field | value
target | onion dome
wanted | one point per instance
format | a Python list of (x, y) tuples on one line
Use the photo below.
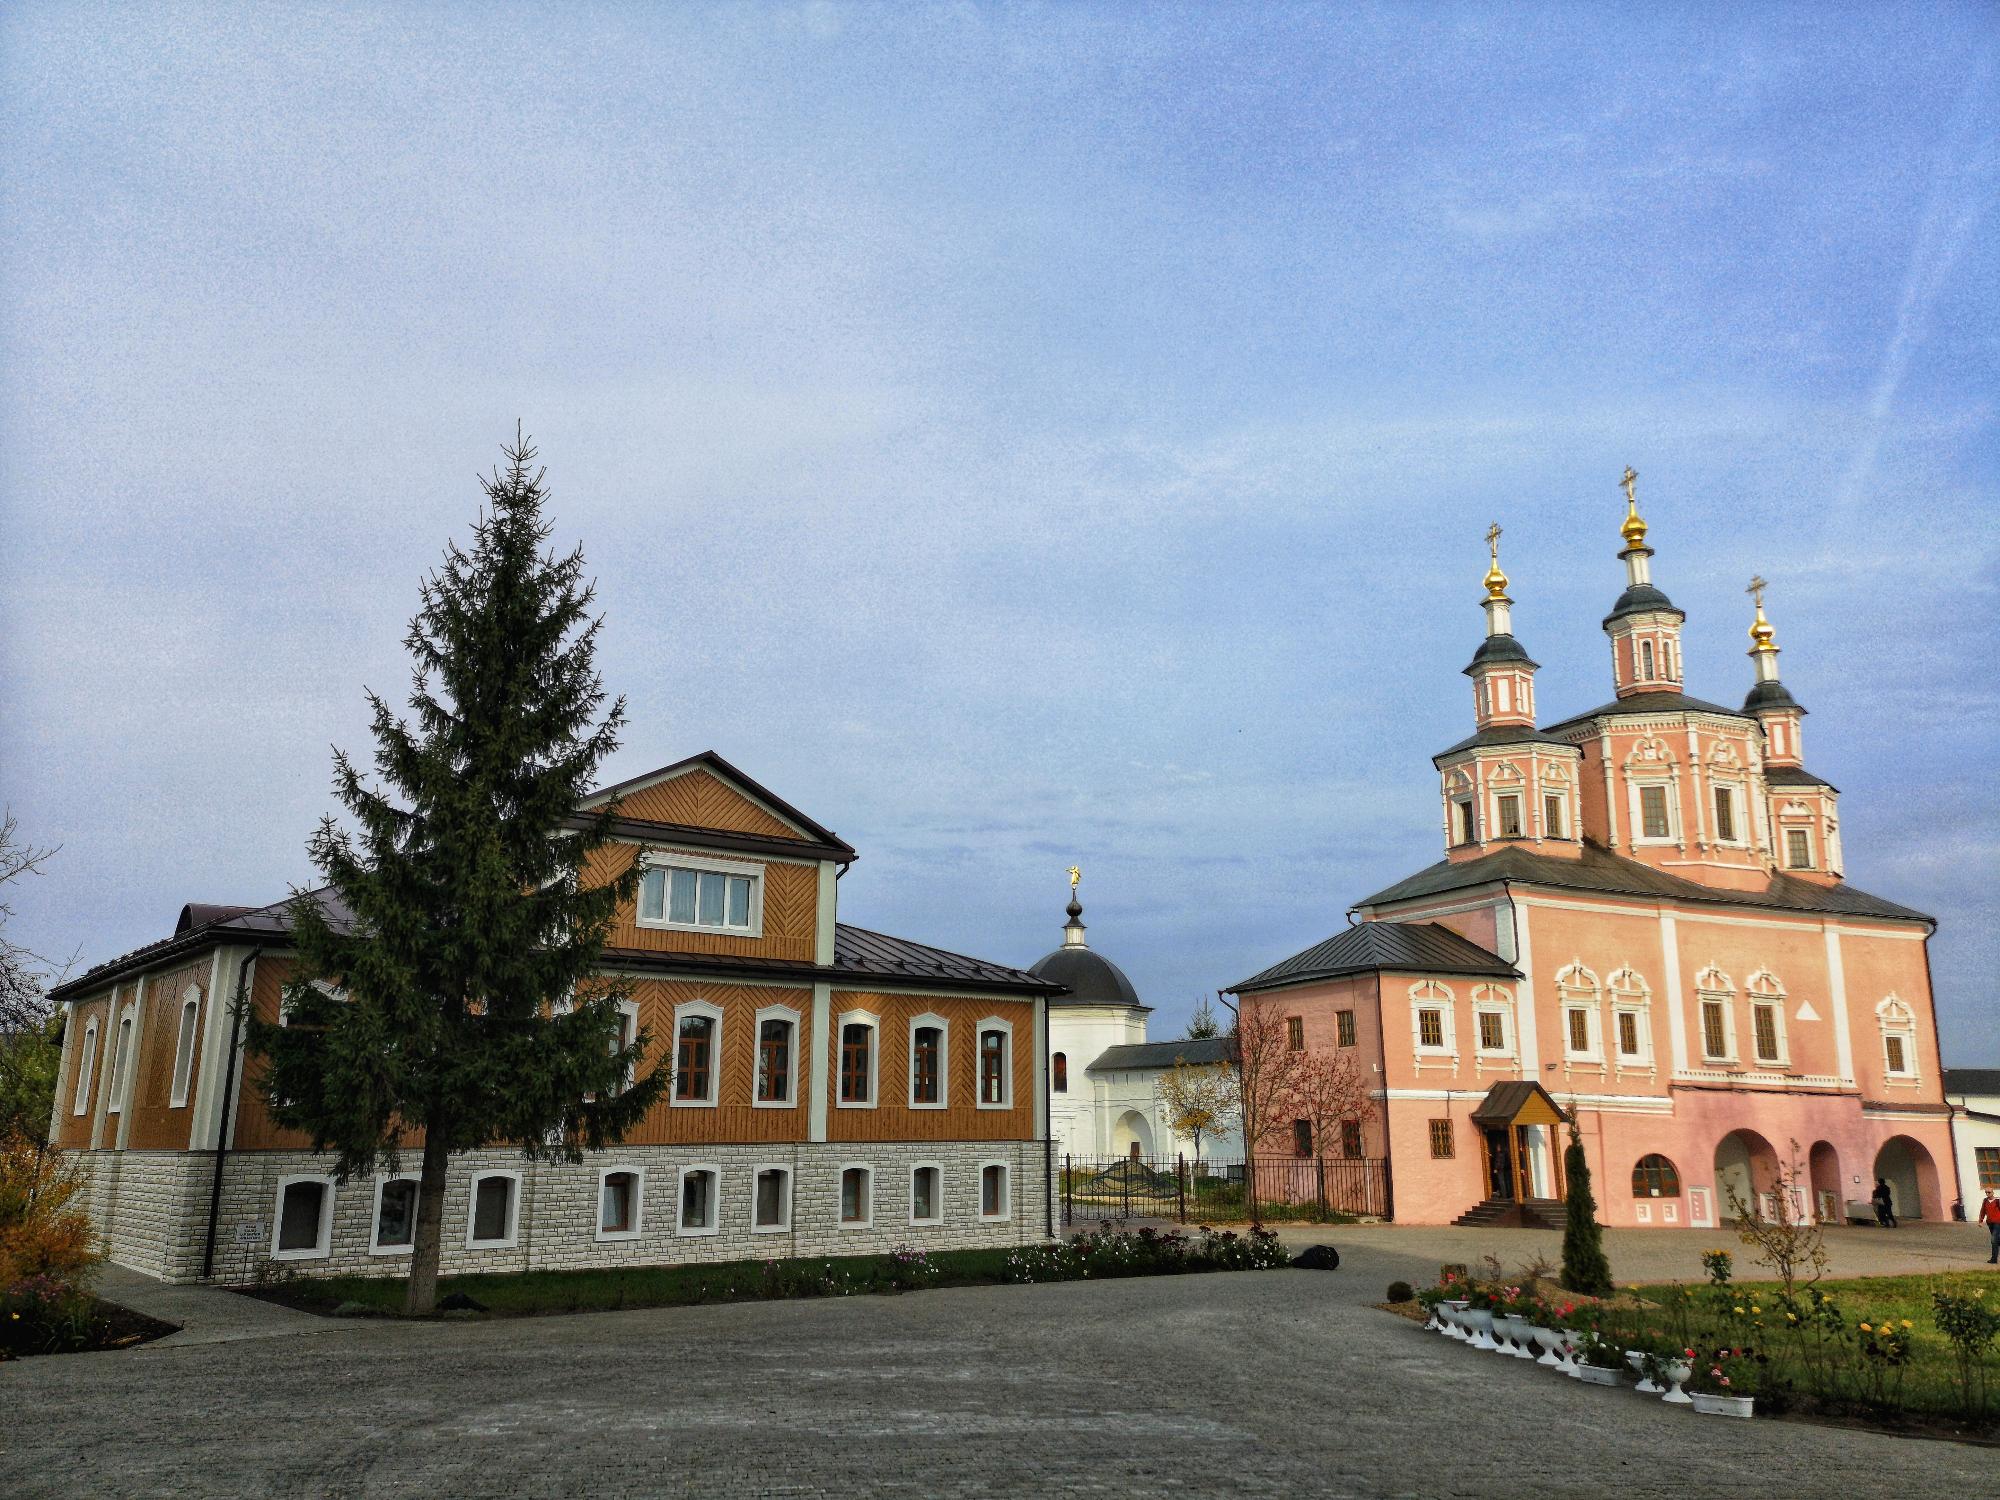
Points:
[(1091, 978)]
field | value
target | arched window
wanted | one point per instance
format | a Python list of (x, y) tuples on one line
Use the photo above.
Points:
[(1655, 1177), (1577, 989), (1059, 1069), (1646, 659), (1899, 1039)]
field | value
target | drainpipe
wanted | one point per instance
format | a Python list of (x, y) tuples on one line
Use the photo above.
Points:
[(236, 1010), (1048, 1132)]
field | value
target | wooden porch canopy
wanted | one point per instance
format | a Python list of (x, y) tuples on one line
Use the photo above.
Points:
[(1503, 1119), (1519, 1102)]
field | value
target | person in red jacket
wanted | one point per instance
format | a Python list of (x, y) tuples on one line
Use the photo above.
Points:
[(1989, 1215)]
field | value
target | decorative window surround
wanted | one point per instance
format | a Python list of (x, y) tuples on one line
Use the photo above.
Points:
[(627, 1033), (983, 1060), (635, 1215), (322, 1244), (996, 1192), (1898, 1024), (1430, 997), (376, 1244), (1578, 994), (1767, 996), (1491, 1003), (857, 1089), (704, 1090), (1715, 994), (86, 1067), (654, 903), (118, 1082), (698, 1202), (508, 1240), (936, 1186), (856, 1204), (1631, 997), (930, 1020), (186, 1035), (778, 1198), (783, 1014)]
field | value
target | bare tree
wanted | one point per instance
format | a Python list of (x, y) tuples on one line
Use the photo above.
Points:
[(1268, 1068), (25, 976), (1327, 1091), (1790, 1242), (1200, 1099)]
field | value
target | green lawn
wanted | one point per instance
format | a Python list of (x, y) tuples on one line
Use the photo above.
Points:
[(1832, 1368)]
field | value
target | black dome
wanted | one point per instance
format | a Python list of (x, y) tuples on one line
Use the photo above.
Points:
[(1092, 978), (1497, 648), (1770, 694), (1641, 599)]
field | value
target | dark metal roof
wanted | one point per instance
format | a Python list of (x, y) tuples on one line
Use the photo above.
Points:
[(1768, 695), (858, 955), (1500, 648), (1090, 978), (198, 914), (1504, 1101), (1795, 776), (1601, 870), (1213, 1049), (1972, 1080), (1648, 703), (1642, 599), (1366, 947), (1505, 734), (709, 760)]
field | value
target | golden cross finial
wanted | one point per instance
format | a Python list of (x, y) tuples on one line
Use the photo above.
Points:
[(1756, 589), (1075, 876), (1631, 483), (1493, 540)]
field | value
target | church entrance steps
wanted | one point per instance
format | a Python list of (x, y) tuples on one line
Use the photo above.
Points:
[(1507, 1213)]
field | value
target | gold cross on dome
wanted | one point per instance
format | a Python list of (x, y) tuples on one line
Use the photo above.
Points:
[(1075, 876), (1493, 540), (1631, 483), (1756, 589)]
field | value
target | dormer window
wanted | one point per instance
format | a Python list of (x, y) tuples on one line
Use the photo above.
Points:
[(702, 895)]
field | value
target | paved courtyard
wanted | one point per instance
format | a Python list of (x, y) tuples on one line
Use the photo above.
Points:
[(1281, 1382)]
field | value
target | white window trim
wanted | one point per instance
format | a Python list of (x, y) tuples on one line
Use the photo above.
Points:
[(1504, 790), (1727, 1000), (867, 1219), (638, 1174), (86, 1069), (714, 1226), (1006, 1029), (323, 1246), (1430, 995), (1593, 1030), (1670, 786), (1739, 812), (776, 1013), (187, 1042), (1895, 1018), (873, 1022), (784, 1225), (1630, 995), (118, 1082), (375, 1245), (931, 1018), (937, 1203), (1785, 832), (655, 859), (713, 1012), (513, 1212), (630, 1010), (1765, 988), (1006, 1193), (1491, 1000)]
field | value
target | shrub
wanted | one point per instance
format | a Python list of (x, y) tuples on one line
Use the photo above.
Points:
[(1400, 1291), (1584, 1267), (43, 1233)]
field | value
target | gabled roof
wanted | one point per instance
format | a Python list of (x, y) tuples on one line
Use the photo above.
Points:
[(1505, 1101), (1368, 947), (709, 761), (1601, 870), (1648, 703), (1212, 1049), (1795, 776), (859, 953)]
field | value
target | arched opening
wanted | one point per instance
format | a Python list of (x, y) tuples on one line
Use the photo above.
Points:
[(1059, 1073), (1655, 1177), (1132, 1136), (1912, 1177), (1746, 1176), (1828, 1202)]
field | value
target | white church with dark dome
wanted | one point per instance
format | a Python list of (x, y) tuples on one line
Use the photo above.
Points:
[(1104, 1096)]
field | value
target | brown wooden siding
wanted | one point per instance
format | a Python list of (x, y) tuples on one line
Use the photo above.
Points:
[(699, 800), (156, 1125), (892, 1119), (791, 914), (734, 1117), (73, 1130), (254, 1128)]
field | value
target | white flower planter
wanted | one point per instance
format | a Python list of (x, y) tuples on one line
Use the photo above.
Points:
[(1637, 1360), (1723, 1406), (1678, 1370), (1480, 1321), (1598, 1375)]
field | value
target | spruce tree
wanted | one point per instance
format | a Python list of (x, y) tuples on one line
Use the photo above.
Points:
[(460, 998), (1584, 1267)]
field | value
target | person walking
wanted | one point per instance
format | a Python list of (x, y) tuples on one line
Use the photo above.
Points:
[(1885, 1204), (1989, 1215)]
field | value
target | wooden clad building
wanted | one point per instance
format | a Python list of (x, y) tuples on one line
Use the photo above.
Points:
[(835, 1090)]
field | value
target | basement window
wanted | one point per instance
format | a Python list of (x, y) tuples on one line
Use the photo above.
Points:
[(495, 1213), (304, 1227), (395, 1216)]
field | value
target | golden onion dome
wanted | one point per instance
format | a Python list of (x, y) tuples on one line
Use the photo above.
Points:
[(1762, 635), (1495, 580), (1634, 529)]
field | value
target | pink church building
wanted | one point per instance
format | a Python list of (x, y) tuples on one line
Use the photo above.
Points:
[(1639, 925)]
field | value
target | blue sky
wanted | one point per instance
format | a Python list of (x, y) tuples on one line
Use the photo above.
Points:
[(1015, 435)]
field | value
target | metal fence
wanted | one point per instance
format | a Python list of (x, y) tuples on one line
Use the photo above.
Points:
[(1222, 1192)]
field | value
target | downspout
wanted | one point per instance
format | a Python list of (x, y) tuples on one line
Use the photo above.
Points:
[(1048, 1132), (236, 1011)]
